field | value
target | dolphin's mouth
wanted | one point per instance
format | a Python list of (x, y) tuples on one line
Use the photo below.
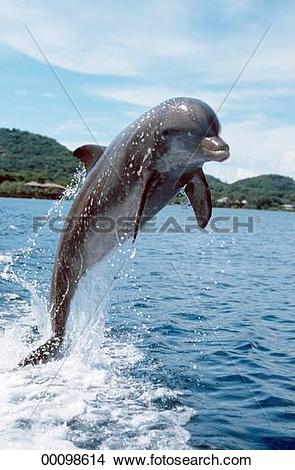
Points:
[(215, 148)]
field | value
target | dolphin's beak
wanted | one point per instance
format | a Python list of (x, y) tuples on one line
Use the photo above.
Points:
[(215, 148)]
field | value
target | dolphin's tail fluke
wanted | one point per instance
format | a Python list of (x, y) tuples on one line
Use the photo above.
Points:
[(44, 353)]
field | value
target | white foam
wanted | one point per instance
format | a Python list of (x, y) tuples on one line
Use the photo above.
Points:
[(72, 403), (5, 258), (89, 398)]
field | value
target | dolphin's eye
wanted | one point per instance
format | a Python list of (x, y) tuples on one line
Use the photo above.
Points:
[(171, 132)]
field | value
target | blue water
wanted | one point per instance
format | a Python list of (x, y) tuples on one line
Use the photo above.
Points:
[(189, 344)]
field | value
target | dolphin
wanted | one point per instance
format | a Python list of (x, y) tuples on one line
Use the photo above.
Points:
[(143, 168)]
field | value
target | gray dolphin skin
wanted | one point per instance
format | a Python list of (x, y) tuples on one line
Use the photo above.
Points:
[(143, 168)]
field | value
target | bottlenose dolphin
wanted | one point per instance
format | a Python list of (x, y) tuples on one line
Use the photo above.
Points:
[(143, 168)]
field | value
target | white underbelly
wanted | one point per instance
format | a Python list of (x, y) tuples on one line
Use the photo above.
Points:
[(111, 228)]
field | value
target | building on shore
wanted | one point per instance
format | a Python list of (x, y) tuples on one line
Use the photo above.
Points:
[(34, 184), (288, 207)]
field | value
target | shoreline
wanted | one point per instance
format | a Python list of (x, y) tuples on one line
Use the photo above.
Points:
[(55, 196), (31, 196)]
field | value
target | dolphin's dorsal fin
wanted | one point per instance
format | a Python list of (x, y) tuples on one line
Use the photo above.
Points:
[(199, 195), (89, 155)]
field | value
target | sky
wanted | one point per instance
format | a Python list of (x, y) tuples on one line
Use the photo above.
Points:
[(116, 59)]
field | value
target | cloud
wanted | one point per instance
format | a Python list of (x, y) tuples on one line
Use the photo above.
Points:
[(256, 150), (143, 96), (21, 92), (150, 95), (76, 124), (134, 39), (146, 96), (286, 164), (97, 40), (46, 94)]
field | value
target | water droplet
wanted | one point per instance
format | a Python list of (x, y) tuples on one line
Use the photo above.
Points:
[(133, 253)]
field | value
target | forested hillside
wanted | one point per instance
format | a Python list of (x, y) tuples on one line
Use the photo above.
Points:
[(34, 156), (27, 157)]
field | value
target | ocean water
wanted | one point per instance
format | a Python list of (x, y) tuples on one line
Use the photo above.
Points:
[(187, 342)]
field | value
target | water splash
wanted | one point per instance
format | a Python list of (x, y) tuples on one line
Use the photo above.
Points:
[(89, 396), (133, 253)]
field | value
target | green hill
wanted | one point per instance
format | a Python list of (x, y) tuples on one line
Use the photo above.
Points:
[(259, 191), (216, 183), (34, 156), (27, 157)]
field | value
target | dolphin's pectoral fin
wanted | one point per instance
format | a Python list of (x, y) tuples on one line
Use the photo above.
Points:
[(140, 212), (148, 183), (199, 195), (89, 155), (44, 353)]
